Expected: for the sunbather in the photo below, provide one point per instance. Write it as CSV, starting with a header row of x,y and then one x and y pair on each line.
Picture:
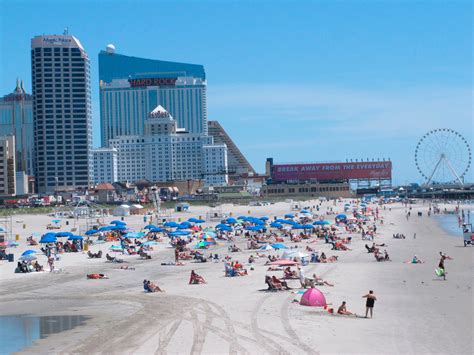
x,y
196,279
343,310
318,281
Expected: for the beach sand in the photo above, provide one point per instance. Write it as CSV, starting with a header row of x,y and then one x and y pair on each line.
x,y
415,312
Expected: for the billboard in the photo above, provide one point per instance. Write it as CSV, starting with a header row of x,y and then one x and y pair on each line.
x,y
378,170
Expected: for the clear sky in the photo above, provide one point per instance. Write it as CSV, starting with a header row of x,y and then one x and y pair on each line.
x,y
299,81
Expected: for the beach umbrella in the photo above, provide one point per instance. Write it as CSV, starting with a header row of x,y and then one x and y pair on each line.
x,y
196,220
288,222
150,242
290,254
321,223
75,237
279,246
266,247
264,218
56,221
307,226
117,222
341,217
28,252
48,239
64,234
157,230
243,218
208,234
297,226
255,220
279,220
276,225
186,224
289,215
116,248
231,220
134,235
313,298
29,257
304,211
179,233
149,226
92,231
171,224
202,244
254,228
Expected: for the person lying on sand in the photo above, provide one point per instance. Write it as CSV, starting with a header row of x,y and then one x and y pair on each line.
x,y
318,281
126,267
290,274
97,276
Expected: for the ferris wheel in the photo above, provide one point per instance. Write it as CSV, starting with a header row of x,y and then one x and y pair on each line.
x,y
443,156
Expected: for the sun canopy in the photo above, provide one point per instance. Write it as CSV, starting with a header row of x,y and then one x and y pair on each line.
x,y
91,232
195,220
276,225
116,222
313,298
266,247
321,223
75,237
28,252
254,228
179,233
289,215
171,224
64,234
149,226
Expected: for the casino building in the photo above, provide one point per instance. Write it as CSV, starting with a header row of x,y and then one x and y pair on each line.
x,y
131,87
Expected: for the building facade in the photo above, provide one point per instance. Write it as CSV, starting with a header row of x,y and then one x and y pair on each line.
x,y
7,166
131,87
237,163
168,153
105,165
61,113
16,118
331,190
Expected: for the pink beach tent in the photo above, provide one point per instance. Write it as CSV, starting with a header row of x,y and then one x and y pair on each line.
x,y
313,298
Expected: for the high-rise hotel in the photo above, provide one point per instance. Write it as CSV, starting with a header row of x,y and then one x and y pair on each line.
x,y
61,113
131,87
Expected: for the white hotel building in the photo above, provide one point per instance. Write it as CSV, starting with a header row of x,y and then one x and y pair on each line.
x,y
105,165
168,153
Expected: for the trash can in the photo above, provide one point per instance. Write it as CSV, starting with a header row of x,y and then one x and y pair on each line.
x,y
86,246
17,237
24,226
11,258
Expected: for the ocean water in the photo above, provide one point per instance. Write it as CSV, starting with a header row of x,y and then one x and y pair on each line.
x,y
20,332
449,222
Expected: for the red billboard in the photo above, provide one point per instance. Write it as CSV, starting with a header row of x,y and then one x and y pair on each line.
x,y
332,171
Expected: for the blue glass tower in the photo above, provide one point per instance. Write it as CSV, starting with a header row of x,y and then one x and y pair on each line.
x,y
131,87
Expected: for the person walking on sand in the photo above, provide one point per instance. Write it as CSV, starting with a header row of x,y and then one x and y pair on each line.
x,y
441,263
369,304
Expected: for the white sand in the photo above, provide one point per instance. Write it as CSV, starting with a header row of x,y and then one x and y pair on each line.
x,y
415,312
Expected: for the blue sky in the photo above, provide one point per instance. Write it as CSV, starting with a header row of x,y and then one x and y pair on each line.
x,y
293,80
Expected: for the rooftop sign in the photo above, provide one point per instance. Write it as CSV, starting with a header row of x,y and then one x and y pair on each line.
x,y
152,82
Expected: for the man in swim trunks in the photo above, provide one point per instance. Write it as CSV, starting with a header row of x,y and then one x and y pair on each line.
x,y
343,310
369,304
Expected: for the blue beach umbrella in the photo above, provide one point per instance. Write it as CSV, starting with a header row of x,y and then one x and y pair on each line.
x,y
28,252
276,225
264,218
157,230
92,232
117,222
231,220
279,246
196,220
289,215
179,233
56,221
297,226
341,217
321,223
149,226
308,226
75,237
171,224
64,234
48,239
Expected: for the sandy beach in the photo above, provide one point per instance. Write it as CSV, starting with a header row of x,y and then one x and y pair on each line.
x,y
415,312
